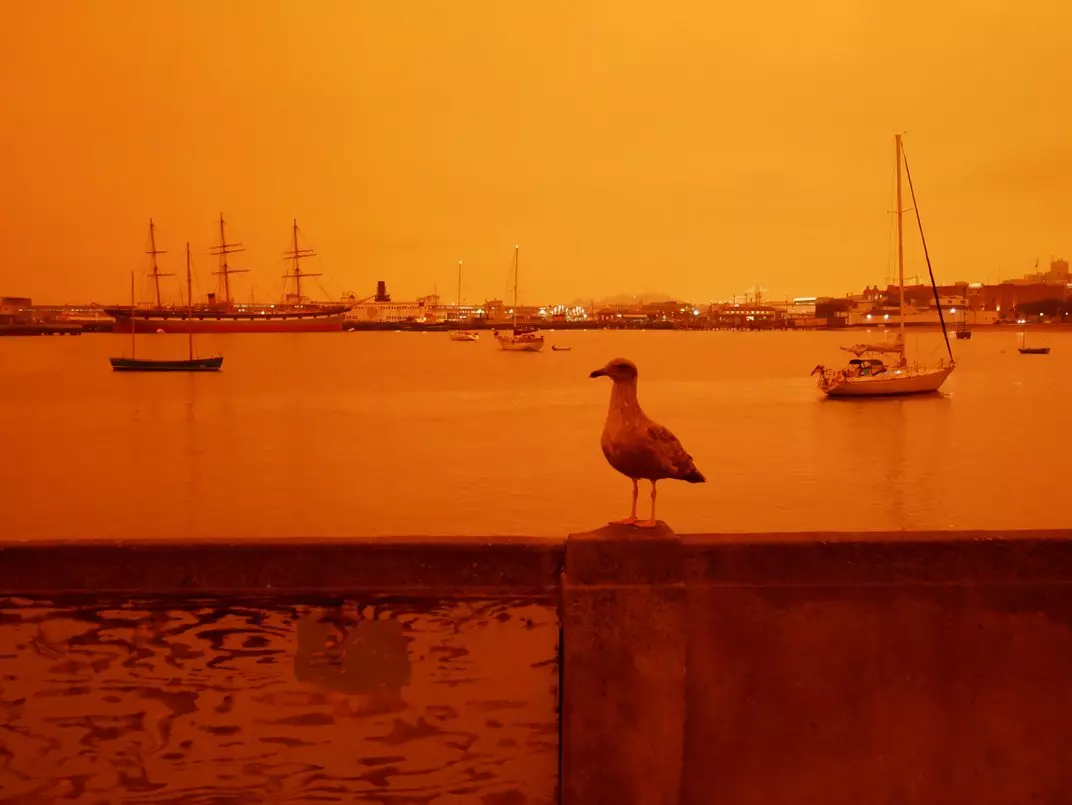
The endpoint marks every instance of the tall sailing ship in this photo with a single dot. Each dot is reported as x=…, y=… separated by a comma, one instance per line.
x=294, y=314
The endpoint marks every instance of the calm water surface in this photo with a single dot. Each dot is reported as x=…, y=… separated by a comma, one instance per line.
x=405, y=433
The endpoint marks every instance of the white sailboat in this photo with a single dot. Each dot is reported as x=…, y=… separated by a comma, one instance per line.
x=870, y=376
x=522, y=339
x=1024, y=349
x=462, y=335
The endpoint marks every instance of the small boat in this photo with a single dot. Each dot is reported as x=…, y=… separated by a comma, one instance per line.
x=870, y=376
x=191, y=364
x=1024, y=349
x=963, y=331
x=557, y=348
x=462, y=335
x=522, y=339
x=154, y=365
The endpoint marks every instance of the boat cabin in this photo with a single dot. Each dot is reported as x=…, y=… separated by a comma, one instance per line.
x=866, y=367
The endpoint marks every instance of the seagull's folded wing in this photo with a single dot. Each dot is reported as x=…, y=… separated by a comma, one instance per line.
x=672, y=455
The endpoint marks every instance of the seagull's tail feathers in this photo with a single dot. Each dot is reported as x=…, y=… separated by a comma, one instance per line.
x=694, y=476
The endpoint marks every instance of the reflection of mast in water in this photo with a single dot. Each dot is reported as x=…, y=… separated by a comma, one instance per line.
x=910, y=467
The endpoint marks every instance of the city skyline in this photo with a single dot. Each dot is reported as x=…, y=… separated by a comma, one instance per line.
x=702, y=150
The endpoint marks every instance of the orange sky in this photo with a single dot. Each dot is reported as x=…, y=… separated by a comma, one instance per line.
x=691, y=147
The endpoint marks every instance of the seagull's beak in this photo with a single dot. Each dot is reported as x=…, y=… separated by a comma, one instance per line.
x=598, y=373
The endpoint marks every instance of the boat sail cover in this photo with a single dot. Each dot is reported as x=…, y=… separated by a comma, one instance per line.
x=887, y=346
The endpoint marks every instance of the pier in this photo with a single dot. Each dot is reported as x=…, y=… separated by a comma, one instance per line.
x=616, y=666
x=40, y=328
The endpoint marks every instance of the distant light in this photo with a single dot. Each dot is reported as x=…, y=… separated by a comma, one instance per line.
x=953, y=311
x=869, y=317
x=887, y=316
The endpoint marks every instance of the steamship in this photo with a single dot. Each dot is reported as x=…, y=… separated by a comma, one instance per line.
x=295, y=314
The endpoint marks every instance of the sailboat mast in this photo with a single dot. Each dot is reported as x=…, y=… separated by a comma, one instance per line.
x=133, y=327
x=516, y=248
x=189, y=302
x=459, y=287
x=226, y=271
x=900, y=246
x=154, y=252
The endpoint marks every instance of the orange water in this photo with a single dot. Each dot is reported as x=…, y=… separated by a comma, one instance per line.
x=405, y=433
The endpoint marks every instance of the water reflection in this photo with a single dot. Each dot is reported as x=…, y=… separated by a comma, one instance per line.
x=217, y=701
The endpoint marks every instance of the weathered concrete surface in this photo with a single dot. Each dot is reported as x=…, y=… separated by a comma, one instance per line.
x=895, y=668
x=623, y=620
x=462, y=566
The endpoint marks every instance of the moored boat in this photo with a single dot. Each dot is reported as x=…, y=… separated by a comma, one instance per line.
x=520, y=339
x=189, y=364
x=871, y=377
x=295, y=314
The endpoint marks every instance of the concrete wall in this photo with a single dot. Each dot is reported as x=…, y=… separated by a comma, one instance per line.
x=382, y=673
x=800, y=668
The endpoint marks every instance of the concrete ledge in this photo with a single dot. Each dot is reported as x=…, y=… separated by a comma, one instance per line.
x=438, y=567
x=624, y=612
x=874, y=558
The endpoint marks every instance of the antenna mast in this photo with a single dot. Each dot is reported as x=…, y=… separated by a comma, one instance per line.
x=156, y=275
x=226, y=271
x=296, y=255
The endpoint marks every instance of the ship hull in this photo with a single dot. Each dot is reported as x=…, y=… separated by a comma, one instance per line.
x=143, y=365
x=331, y=323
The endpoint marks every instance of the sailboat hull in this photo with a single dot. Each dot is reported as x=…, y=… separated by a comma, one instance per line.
x=148, y=365
x=523, y=344
x=894, y=383
x=464, y=335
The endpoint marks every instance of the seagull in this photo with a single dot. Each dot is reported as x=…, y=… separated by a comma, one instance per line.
x=636, y=446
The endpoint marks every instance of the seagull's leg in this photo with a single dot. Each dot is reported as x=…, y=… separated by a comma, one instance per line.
x=650, y=522
x=632, y=517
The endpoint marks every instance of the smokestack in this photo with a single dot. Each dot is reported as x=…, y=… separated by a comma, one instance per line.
x=381, y=292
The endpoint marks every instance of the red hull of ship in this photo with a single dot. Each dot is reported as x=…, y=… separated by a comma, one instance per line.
x=325, y=324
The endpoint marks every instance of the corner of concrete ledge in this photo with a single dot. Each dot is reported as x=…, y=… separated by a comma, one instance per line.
x=623, y=554
x=623, y=653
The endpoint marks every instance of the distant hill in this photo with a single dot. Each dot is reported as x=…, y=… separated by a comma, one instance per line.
x=624, y=299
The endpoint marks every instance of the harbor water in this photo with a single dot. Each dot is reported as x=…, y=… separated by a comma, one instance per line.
x=364, y=434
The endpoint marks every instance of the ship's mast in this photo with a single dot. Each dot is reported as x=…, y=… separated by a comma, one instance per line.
x=900, y=247
x=154, y=252
x=189, y=302
x=459, y=288
x=226, y=271
x=296, y=255
x=133, y=321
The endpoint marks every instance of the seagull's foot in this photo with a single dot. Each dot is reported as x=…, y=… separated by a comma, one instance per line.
x=624, y=521
x=645, y=524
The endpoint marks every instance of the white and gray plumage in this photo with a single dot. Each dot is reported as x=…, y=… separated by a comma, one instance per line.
x=637, y=447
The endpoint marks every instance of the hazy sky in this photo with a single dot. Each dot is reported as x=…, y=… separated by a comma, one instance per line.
x=692, y=147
